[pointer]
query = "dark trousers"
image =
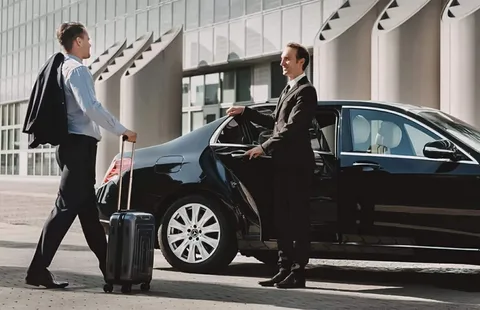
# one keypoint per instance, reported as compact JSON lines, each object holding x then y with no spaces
{"x":292,"y":189}
{"x":76,"y":196}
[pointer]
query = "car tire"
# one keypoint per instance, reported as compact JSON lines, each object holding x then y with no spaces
{"x":214,"y":247}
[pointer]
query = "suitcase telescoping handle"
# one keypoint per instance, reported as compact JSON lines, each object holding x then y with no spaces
{"x":124,"y":138}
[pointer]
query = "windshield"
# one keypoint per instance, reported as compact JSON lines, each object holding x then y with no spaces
{"x":458,"y":128}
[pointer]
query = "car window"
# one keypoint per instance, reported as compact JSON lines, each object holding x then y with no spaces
{"x":325,"y":125}
{"x":385,"y":133}
{"x":232,"y":133}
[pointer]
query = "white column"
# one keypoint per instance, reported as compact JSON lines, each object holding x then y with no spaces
{"x":461,"y":64}
{"x":342,"y":51}
{"x":406,"y":53}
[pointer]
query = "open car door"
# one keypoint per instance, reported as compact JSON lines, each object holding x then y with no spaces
{"x":255,"y":175}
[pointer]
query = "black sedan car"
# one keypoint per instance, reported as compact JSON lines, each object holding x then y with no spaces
{"x":392,"y":182}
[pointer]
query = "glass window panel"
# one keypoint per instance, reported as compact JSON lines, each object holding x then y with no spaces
{"x":66,"y":2}
{"x":166,"y":17}
{"x":21,"y":36}
{"x":41,"y":55}
{"x":10,"y":16}
{"x":100,"y":39}
{"x":109,"y":31}
{"x":35,"y":31}
{"x":9,"y":65}
{"x":16,"y":139}
{"x":54,"y":169}
{"x":131,"y":6}
{"x":50,"y":24}
{"x":110,"y":13}
{"x":38,"y":163}
{"x":222,"y":9}
{"x":43,"y":7}
{"x":15,"y":64}
{"x":35,"y":58}
{"x":192,"y":14}
{"x":16,"y":39}
{"x":28,"y":34}
{"x":74,"y":11}
{"x":43,"y":28}
{"x":154,"y":21}
{"x":186,"y":91}
{"x":197,"y":120}
{"x":10,"y":40}
{"x":3,"y":67}
{"x":91,"y":16}
{"x":46,"y":163}
{"x":29,"y":10}
{"x":11,"y":115}
{"x":30,"y":164}
{"x":11,"y":139}
{"x":4,"y":140}
{"x":101,"y":11}
{"x":58,"y":4}
{"x":4,"y":19}
{"x":51,"y":33}
{"x":179,"y":13}
{"x":23,"y":11}
{"x":121,"y":7}
{"x":82,"y":13}
{"x":253,"y":6}
{"x":206,"y":12}
{"x":120,"y":29}
{"x":16,"y":165}
{"x":243,"y":84}
{"x":141,"y":23}
{"x":131,"y":28}
{"x":28,"y":60}
{"x":3,"y":163}
{"x":237,"y":8}
{"x":17,"y":114}
{"x":228,"y":86}
{"x":279,"y":81}
{"x":21,"y":62}
{"x":9,"y":164}
{"x":212,"y":89}
{"x":197,"y":90}
{"x":16,"y":14}
{"x":142,"y":4}
{"x":271,"y":4}
{"x":185,"y":124}
{"x":3,"y":42}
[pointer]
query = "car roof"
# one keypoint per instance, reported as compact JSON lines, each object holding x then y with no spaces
{"x":368,"y":103}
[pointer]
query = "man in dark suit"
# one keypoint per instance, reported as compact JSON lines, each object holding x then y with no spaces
{"x":294,"y":163}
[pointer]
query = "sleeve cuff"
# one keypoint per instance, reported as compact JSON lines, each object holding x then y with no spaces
{"x":119,"y":129}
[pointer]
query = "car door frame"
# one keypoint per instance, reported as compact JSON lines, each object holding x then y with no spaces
{"x":357,"y":214}
{"x":256,"y":221}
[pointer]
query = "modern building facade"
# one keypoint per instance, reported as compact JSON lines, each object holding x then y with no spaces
{"x":420,"y":52}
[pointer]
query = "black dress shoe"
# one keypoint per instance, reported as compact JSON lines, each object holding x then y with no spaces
{"x":45,"y":279}
{"x":279,"y":277}
{"x":293,"y":280}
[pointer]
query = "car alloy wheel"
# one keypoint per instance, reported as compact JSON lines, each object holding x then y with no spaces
{"x":198,"y":234}
{"x":193,"y":233}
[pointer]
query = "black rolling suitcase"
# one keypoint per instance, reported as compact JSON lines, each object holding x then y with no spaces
{"x":131,"y":244}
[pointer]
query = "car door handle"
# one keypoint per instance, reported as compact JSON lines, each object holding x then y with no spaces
{"x":367,"y":166}
{"x":237,"y":154}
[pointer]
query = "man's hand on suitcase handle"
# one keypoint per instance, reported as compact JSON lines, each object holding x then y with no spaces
{"x":130,"y":136}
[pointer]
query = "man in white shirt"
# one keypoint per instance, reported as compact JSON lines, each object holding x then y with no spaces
{"x":76,"y":157}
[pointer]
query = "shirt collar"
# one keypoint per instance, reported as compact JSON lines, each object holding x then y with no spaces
{"x":74,"y":57}
{"x":295,"y":80}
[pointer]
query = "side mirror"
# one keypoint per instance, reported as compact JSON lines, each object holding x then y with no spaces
{"x":440,"y":149}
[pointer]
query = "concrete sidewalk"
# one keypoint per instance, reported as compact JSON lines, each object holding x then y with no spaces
{"x":236,"y":289}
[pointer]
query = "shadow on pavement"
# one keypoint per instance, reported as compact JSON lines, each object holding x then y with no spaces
{"x":12,"y":277}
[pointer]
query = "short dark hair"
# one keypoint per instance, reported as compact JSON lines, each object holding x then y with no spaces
{"x":302,"y":53}
{"x":68,"y":32}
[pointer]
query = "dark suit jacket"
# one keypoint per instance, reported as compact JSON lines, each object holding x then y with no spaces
{"x":46,"y":118}
{"x":290,"y":142}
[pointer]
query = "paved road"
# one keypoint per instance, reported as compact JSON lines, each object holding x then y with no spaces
{"x":333,"y":284}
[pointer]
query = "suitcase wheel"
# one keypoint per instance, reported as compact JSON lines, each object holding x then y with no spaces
{"x":145,"y":287}
{"x":108,"y":288}
{"x":126,"y":288}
